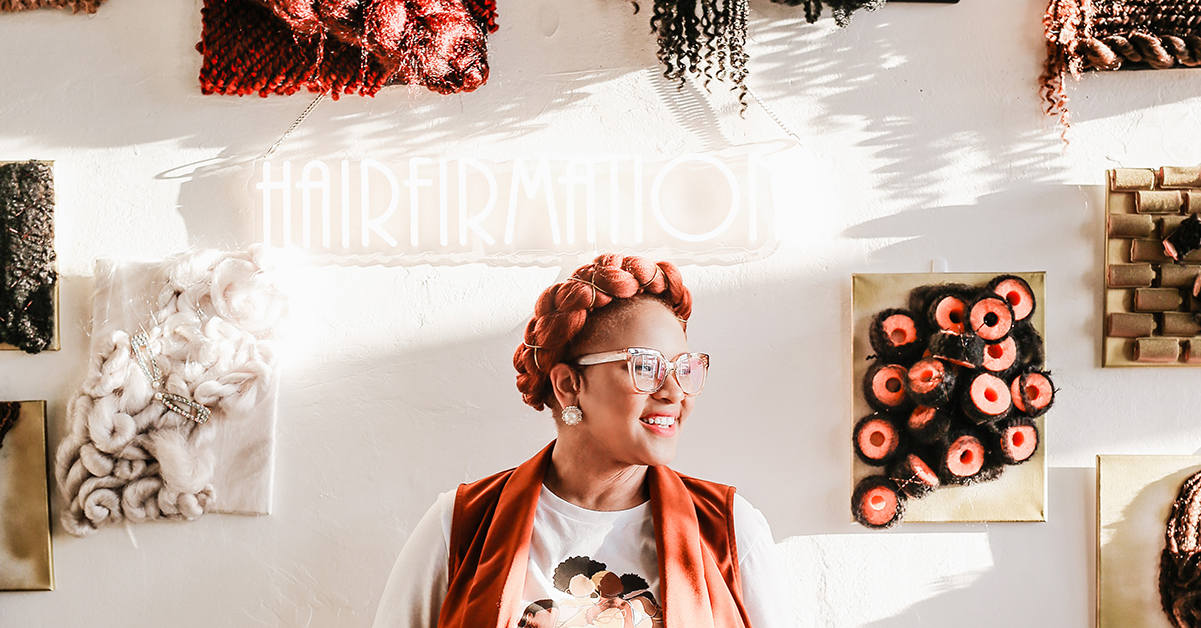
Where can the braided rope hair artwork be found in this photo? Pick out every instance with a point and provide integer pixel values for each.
(1115, 35)
(956, 384)
(133, 454)
(76, 6)
(563, 311)
(344, 46)
(1180, 564)
(27, 254)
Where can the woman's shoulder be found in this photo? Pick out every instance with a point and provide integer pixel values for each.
(750, 525)
(445, 505)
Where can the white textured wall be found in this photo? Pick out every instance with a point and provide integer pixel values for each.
(398, 383)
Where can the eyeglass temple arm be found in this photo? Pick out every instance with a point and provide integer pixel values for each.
(601, 358)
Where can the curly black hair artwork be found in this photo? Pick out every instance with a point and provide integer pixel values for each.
(956, 382)
(1180, 564)
(27, 255)
(702, 37)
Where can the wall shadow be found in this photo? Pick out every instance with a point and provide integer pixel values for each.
(1021, 588)
(935, 93)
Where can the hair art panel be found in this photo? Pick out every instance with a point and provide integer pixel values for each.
(344, 46)
(952, 393)
(76, 6)
(1180, 566)
(1148, 510)
(1105, 35)
(26, 561)
(841, 9)
(1153, 267)
(705, 38)
(29, 292)
(176, 413)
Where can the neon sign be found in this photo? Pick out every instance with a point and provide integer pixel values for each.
(703, 206)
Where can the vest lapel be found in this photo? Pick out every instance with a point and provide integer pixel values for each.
(682, 581)
(500, 574)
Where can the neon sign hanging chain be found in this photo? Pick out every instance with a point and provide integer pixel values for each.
(299, 120)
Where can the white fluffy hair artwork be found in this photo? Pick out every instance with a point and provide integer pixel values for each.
(175, 414)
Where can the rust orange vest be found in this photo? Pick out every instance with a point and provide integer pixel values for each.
(694, 537)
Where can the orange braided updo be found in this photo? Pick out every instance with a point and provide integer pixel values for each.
(564, 309)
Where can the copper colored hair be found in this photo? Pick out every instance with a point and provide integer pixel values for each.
(564, 308)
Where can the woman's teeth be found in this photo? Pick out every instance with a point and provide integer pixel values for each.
(662, 421)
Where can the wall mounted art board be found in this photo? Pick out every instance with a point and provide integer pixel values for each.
(175, 343)
(1149, 308)
(278, 47)
(26, 555)
(29, 292)
(1125, 35)
(1020, 494)
(244, 449)
(76, 6)
(1107, 35)
(1134, 499)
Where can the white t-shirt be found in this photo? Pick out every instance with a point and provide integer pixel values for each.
(574, 553)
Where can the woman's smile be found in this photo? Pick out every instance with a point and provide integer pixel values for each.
(660, 424)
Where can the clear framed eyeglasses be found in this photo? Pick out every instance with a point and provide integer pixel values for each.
(649, 368)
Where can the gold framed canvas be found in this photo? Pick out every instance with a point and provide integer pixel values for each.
(1020, 493)
(26, 552)
(1134, 499)
(1149, 308)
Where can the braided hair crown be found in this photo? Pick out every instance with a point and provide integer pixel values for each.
(564, 308)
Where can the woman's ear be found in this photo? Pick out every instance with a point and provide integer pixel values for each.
(565, 381)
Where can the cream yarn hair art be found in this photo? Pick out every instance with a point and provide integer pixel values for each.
(179, 395)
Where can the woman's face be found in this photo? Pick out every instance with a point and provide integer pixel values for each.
(631, 427)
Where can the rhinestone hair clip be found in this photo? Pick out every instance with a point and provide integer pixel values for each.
(139, 346)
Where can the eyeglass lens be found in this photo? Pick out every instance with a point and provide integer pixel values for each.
(649, 371)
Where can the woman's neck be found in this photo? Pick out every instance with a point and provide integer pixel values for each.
(588, 481)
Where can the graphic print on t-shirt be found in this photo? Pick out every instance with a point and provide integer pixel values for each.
(595, 597)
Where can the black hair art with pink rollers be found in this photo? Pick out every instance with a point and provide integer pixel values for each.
(956, 384)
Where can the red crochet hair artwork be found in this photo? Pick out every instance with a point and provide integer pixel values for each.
(564, 308)
(344, 46)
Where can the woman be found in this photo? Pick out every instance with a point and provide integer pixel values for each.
(595, 530)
